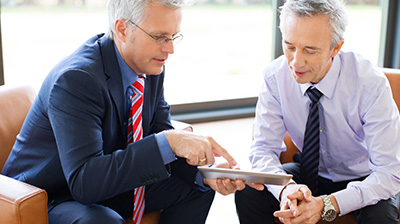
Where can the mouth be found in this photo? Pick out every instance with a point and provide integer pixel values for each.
(160, 60)
(299, 73)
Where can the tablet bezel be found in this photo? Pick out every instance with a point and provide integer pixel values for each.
(246, 176)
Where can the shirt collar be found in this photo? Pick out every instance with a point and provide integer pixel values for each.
(327, 84)
(128, 75)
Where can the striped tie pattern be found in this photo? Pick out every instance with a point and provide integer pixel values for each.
(135, 133)
(310, 154)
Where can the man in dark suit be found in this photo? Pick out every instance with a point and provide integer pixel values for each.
(73, 143)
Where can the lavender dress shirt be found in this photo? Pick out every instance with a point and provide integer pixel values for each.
(359, 128)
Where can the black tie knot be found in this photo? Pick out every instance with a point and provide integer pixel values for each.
(314, 94)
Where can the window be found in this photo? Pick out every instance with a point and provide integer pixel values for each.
(37, 37)
(226, 45)
(364, 29)
(225, 49)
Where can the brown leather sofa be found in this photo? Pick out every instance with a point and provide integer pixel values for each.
(20, 203)
(393, 76)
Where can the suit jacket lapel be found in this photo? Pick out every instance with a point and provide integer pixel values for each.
(114, 79)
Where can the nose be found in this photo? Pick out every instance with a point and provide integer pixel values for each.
(298, 60)
(168, 47)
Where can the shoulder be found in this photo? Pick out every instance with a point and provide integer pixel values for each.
(278, 76)
(276, 67)
(356, 65)
(363, 80)
(276, 70)
(82, 70)
(360, 71)
(85, 61)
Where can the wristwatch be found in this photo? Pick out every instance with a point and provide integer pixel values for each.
(329, 213)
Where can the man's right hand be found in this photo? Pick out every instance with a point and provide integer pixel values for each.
(197, 149)
(299, 206)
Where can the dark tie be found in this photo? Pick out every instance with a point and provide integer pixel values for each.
(135, 133)
(310, 154)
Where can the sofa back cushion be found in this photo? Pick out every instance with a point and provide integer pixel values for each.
(15, 102)
(393, 76)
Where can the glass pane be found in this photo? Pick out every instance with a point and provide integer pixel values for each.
(37, 37)
(225, 49)
(363, 32)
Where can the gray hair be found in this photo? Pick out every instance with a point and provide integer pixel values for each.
(135, 9)
(334, 10)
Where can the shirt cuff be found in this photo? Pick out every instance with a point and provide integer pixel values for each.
(200, 184)
(346, 198)
(276, 190)
(165, 149)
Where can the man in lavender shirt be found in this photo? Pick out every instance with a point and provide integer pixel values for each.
(359, 126)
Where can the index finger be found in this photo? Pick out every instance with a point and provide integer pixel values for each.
(283, 214)
(296, 195)
(209, 157)
(258, 187)
(293, 207)
(240, 185)
(306, 192)
(220, 151)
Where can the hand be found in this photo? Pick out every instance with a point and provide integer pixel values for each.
(258, 187)
(198, 150)
(225, 186)
(299, 206)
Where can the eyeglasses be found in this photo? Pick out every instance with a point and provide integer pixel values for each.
(161, 40)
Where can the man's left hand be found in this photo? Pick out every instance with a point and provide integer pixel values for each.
(299, 206)
(225, 186)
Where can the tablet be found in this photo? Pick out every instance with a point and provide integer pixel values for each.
(246, 176)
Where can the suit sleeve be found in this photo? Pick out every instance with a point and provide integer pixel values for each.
(160, 121)
(77, 106)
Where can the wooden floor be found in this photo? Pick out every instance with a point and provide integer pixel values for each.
(236, 137)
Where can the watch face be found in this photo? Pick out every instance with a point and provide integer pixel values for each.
(330, 215)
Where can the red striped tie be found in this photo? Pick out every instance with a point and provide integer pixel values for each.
(135, 133)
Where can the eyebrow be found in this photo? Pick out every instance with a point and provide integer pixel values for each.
(308, 47)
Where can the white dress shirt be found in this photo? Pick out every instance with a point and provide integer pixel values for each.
(359, 128)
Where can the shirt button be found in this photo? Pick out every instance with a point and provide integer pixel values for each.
(326, 153)
(332, 170)
(321, 129)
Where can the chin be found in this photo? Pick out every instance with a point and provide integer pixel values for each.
(155, 71)
(300, 80)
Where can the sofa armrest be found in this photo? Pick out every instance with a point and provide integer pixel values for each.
(22, 203)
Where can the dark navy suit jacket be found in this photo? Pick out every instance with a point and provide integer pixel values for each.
(73, 142)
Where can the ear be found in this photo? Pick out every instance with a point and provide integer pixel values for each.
(337, 48)
(121, 28)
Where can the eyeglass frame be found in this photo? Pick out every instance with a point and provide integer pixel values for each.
(157, 39)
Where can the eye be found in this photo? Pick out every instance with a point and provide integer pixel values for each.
(161, 39)
(289, 47)
(310, 51)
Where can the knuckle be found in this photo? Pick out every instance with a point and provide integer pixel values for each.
(193, 154)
